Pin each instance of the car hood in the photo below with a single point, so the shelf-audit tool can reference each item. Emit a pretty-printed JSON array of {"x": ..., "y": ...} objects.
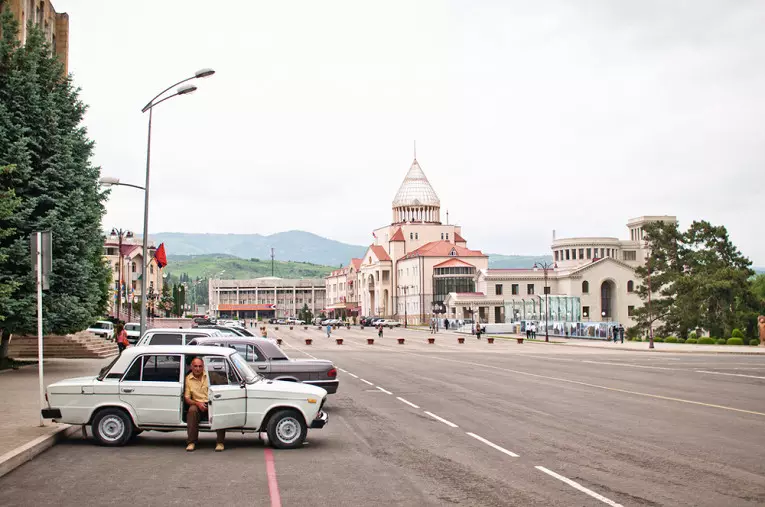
[
  {"x": 290, "y": 390},
  {"x": 307, "y": 365}
]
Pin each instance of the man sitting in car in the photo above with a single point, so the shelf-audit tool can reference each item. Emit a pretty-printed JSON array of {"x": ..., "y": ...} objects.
[{"x": 196, "y": 397}]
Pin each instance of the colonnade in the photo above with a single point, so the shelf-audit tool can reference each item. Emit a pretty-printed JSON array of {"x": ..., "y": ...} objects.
[{"x": 417, "y": 214}]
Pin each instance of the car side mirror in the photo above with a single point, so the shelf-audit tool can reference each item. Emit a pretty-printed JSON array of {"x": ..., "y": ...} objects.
[{"x": 242, "y": 384}]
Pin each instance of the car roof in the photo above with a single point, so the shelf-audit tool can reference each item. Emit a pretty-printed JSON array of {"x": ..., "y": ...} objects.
[
  {"x": 180, "y": 330},
  {"x": 254, "y": 340},
  {"x": 199, "y": 350}
]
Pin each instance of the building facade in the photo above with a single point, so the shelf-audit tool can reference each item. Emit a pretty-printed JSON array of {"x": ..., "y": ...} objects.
[
  {"x": 125, "y": 256},
  {"x": 55, "y": 25},
  {"x": 267, "y": 297}
]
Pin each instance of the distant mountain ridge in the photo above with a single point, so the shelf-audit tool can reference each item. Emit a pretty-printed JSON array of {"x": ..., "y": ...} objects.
[{"x": 298, "y": 246}]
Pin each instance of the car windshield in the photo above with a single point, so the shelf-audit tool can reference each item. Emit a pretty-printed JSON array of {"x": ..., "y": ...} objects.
[
  {"x": 245, "y": 371},
  {"x": 100, "y": 325},
  {"x": 105, "y": 369},
  {"x": 132, "y": 327}
]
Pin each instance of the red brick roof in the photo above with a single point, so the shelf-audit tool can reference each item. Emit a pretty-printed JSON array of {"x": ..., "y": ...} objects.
[
  {"x": 453, "y": 263},
  {"x": 398, "y": 236},
  {"x": 356, "y": 263},
  {"x": 458, "y": 238},
  {"x": 380, "y": 252},
  {"x": 443, "y": 249}
]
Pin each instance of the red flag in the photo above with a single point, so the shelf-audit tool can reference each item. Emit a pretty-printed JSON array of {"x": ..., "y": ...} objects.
[
  {"x": 160, "y": 256},
  {"x": 374, "y": 235}
]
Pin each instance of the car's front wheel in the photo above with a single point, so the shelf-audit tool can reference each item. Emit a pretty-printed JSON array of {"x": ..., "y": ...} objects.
[
  {"x": 112, "y": 427},
  {"x": 286, "y": 429}
]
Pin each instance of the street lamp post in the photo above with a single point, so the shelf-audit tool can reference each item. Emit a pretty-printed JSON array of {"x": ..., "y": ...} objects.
[
  {"x": 650, "y": 314},
  {"x": 545, "y": 267},
  {"x": 120, "y": 234},
  {"x": 405, "y": 288},
  {"x": 181, "y": 90}
]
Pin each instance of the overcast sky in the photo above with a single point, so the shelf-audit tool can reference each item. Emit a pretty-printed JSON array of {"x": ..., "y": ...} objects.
[{"x": 528, "y": 116}]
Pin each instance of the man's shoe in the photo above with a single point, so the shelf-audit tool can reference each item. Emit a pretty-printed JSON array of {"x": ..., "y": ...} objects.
[
  {"x": 191, "y": 447},
  {"x": 219, "y": 447}
]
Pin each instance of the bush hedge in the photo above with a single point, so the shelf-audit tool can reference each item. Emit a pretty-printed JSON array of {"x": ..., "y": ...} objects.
[
  {"x": 737, "y": 334},
  {"x": 658, "y": 339},
  {"x": 720, "y": 341},
  {"x": 670, "y": 339},
  {"x": 705, "y": 340},
  {"x": 680, "y": 340},
  {"x": 735, "y": 341},
  {"x": 754, "y": 342},
  {"x": 692, "y": 340},
  {"x": 693, "y": 335}
]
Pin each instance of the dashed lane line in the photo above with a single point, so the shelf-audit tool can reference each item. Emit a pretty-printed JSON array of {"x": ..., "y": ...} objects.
[
  {"x": 366, "y": 381},
  {"x": 383, "y": 390},
  {"x": 730, "y": 374},
  {"x": 578, "y": 486},
  {"x": 448, "y": 423},
  {"x": 352, "y": 375},
  {"x": 399, "y": 398},
  {"x": 492, "y": 444}
]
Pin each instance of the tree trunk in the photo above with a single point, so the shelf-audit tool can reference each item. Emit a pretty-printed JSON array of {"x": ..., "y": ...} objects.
[{"x": 4, "y": 344}]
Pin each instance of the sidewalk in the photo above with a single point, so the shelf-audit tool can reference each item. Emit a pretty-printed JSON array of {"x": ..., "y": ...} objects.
[
  {"x": 643, "y": 346},
  {"x": 19, "y": 399}
]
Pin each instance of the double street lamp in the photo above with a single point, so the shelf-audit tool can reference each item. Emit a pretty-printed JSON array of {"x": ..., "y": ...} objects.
[
  {"x": 405, "y": 289},
  {"x": 545, "y": 267},
  {"x": 181, "y": 90}
]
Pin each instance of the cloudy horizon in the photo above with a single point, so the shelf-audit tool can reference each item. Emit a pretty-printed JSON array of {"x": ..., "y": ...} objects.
[{"x": 528, "y": 118}]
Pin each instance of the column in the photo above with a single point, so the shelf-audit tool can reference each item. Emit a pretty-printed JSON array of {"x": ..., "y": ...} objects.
[
  {"x": 294, "y": 302},
  {"x": 313, "y": 301},
  {"x": 276, "y": 303}
]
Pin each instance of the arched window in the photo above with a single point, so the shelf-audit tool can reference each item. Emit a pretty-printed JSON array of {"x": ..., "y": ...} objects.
[
  {"x": 133, "y": 267},
  {"x": 630, "y": 286},
  {"x": 585, "y": 287},
  {"x": 116, "y": 266}
]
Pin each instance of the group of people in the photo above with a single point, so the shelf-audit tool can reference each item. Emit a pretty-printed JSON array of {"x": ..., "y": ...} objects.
[
  {"x": 531, "y": 331},
  {"x": 434, "y": 325},
  {"x": 616, "y": 333}
]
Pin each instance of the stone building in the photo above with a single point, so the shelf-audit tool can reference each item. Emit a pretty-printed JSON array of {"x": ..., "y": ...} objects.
[{"x": 55, "y": 25}]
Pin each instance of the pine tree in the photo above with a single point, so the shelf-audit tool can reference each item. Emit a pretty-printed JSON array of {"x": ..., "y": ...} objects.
[
  {"x": 55, "y": 184},
  {"x": 166, "y": 301}
]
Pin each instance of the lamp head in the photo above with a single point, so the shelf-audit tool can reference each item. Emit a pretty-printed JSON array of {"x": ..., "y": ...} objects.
[
  {"x": 204, "y": 73},
  {"x": 186, "y": 89},
  {"x": 108, "y": 181}
]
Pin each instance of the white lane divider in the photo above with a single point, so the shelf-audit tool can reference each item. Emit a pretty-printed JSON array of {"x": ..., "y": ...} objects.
[
  {"x": 367, "y": 382},
  {"x": 383, "y": 390},
  {"x": 399, "y": 398},
  {"x": 349, "y": 373},
  {"x": 730, "y": 374},
  {"x": 448, "y": 423},
  {"x": 492, "y": 444},
  {"x": 342, "y": 370},
  {"x": 578, "y": 486}
]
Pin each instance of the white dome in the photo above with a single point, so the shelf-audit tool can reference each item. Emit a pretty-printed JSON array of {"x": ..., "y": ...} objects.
[{"x": 416, "y": 190}]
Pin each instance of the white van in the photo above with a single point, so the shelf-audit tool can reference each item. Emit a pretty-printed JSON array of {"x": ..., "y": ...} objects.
[{"x": 103, "y": 328}]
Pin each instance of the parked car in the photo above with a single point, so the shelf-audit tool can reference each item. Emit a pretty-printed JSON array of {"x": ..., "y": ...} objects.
[
  {"x": 102, "y": 328},
  {"x": 142, "y": 390},
  {"x": 161, "y": 336},
  {"x": 237, "y": 331},
  {"x": 317, "y": 321},
  {"x": 296, "y": 322},
  {"x": 270, "y": 361},
  {"x": 272, "y": 321},
  {"x": 133, "y": 330},
  {"x": 388, "y": 323},
  {"x": 202, "y": 321},
  {"x": 376, "y": 321}
]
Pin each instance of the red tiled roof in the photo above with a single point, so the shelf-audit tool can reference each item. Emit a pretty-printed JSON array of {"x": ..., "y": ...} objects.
[
  {"x": 443, "y": 249},
  {"x": 453, "y": 263},
  {"x": 458, "y": 238},
  {"x": 380, "y": 252},
  {"x": 398, "y": 236},
  {"x": 356, "y": 263}
]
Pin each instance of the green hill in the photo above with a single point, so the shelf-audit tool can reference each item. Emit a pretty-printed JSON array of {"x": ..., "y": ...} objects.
[{"x": 208, "y": 266}]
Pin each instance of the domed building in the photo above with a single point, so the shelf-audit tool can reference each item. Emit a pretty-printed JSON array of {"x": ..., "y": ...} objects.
[{"x": 413, "y": 263}]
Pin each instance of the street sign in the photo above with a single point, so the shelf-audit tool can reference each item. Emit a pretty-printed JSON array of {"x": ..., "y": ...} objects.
[{"x": 46, "y": 254}]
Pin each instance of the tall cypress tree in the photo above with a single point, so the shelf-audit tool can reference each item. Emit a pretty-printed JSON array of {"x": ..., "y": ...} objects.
[{"x": 55, "y": 184}]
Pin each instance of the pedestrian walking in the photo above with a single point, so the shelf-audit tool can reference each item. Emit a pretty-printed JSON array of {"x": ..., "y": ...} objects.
[
  {"x": 329, "y": 330},
  {"x": 533, "y": 331},
  {"x": 528, "y": 331},
  {"x": 621, "y": 333},
  {"x": 478, "y": 330},
  {"x": 122, "y": 338},
  {"x": 380, "y": 331},
  {"x": 446, "y": 324}
]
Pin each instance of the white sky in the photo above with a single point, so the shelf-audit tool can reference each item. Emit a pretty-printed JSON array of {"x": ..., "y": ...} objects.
[{"x": 528, "y": 116}]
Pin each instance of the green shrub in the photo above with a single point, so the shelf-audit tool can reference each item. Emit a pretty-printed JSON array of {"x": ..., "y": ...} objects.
[
  {"x": 737, "y": 334},
  {"x": 670, "y": 339},
  {"x": 705, "y": 340},
  {"x": 693, "y": 335},
  {"x": 754, "y": 342},
  {"x": 692, "y": 340},
  {"x": 680, "y": 340},
  {"x": 637, "y": 339},
  {"x": 735, "y": 341},
  {"x": 720, "y": 341},
  {"x": 658, "y": 339}
]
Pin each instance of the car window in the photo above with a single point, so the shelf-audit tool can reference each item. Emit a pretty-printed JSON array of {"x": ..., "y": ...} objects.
[
  {"x": 220, "y": 372},
  {"x": 248, "y": 352},
  {"x": 165, "y": 339},
  {"x": 134, "y": 372},
  {"x": 162, "y": 368},
  {"x": 191, "y": 336},
  {"x": 132, "y": 327}
]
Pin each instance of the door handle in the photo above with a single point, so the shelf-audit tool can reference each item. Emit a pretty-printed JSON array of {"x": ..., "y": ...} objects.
[
  {"x": 262, "y": 367},
  {"x": 216, "y": 396},
  {"x": 128, "y": 390}
]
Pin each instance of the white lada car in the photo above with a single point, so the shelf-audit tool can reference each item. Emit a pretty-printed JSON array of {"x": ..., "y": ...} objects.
[{"x": 142, "y": 390}]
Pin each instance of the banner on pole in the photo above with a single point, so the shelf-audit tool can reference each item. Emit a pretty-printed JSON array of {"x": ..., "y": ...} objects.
[{"x": 46, "y": 254}]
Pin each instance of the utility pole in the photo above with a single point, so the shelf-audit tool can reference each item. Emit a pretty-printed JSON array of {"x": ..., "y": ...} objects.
[
  {"x": 545, "y": 267},
  {"x": 272, "y": 262},
  {"x": 120, "y": 234},
  {"x": 650, "y": 314}
]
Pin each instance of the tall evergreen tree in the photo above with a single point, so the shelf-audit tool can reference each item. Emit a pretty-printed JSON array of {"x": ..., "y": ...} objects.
[{"x": 55, "y": 184}]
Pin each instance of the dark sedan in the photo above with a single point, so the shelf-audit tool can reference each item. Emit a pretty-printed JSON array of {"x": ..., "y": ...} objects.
[{"x": 271, "y": 362}]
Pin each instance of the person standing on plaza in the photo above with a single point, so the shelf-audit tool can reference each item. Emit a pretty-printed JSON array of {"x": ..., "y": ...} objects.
[
  {"x": 621, "y": 333},
  {"x": 380, "y": 331},
  {"x": 528, "y": 331},
  {"x": 446, "y": 324},
  {"x": 533, "y": 331},
  {"x": 478, "y": 330},
  {"x": 329, "y": 330},
  {"x": 195, "y": 395},
  {"x": 122, "y": 337}
]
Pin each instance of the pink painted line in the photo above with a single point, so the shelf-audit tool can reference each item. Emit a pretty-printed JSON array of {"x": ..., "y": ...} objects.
[{"x": 273, "y": 486}]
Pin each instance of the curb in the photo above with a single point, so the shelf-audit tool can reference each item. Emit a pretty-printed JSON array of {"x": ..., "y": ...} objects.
[
  {"x": 20, "y": 455},
  {"x": 663, "y": 351}
]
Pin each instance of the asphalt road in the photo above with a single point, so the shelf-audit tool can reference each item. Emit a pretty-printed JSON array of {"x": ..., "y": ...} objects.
[{"x": 458, "y": 424}]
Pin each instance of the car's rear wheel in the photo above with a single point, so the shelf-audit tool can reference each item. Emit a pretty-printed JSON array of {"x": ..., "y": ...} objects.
[
  {"x": 286, "y": 429},
  {"x": 112, "y": 427}
]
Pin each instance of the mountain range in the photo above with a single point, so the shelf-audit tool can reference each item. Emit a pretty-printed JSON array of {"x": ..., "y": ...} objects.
[{"x": 297, "y": 246}]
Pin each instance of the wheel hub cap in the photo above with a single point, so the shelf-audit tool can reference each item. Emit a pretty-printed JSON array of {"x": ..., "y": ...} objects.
[{"x": 288, "y": 430}]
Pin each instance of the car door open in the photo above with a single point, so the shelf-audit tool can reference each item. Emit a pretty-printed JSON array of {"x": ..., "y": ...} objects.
[{"x": 228, "y": 394}]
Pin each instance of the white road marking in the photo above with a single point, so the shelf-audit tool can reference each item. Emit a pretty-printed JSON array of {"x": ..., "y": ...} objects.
[
  {"x": 731, "y": 374},
  {"x": 610, "y": 363},
  {"x": 352, "y": 375},
  {"x": 448, "y": 423},
  {"x": 383, "y": 390},
  {"x": 366, "y": 381},
  {"x": 492, "y": 444},
  {"x": 407, "y": 402},
  {"x": 342, "y": 370},
  {"x": 578, "y": 486}
]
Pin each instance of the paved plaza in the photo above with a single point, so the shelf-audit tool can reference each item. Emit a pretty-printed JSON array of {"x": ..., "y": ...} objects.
[{"x": 449, "y": 423}]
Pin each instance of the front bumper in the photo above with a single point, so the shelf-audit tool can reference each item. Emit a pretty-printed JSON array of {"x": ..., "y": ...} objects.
[
  {"x": 320, "y": 421},
  {"x": 51, "y": 413},
  {"x": 328, "y": 385}
]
